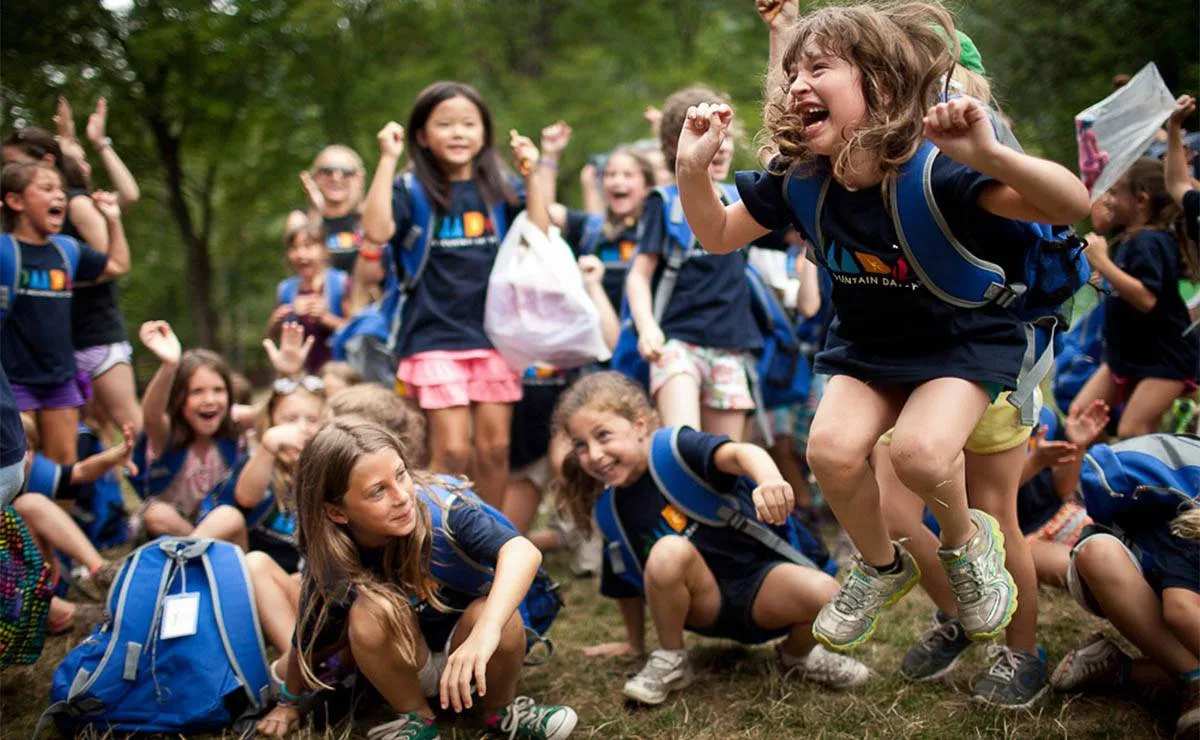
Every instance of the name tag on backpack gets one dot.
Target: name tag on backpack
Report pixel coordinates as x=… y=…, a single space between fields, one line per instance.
x=179 y=617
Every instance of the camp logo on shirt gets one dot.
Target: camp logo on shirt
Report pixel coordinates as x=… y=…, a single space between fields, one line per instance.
x=470 y=229
x=342 y=242
x=45 y=283
x=864 y=269
x=617 y=254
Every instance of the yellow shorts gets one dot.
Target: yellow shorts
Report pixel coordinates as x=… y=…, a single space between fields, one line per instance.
x=999 y=430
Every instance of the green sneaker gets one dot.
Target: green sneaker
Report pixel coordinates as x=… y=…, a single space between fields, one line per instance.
x=411 y=726
x=528 y=721
x=983 y=587
x=850 y=618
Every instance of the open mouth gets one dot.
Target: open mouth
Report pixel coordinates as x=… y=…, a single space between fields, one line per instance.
x=57 y=211
x=209 y=415
x=813 y=116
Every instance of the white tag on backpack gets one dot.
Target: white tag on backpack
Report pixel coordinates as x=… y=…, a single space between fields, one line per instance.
x=180 y=615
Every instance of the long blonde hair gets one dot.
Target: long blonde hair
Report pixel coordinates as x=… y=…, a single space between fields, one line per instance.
x=902 y=59
x=334 y=571
x=577 y=491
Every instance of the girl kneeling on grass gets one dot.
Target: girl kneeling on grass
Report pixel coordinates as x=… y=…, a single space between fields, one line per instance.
x=365 y=528
x=714 y=581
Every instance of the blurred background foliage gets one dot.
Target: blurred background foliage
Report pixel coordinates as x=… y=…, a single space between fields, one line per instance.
x=216 y=105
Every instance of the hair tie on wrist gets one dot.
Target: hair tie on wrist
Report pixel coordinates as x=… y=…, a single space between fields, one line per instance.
x=548 y=164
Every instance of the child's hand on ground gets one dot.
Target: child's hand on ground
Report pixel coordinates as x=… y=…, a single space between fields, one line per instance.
x=773 y=501
x=703 y=132
x=650 y=343
x=1185 y=106
x=279 y=722
x=611 y=650
x=466 y=664
x=961 y=129
x=555 y=138
x=288 y=358
x=525 y=154
x=1086 y=425
x=592 y=269
x=159 y=339
x=391 y=140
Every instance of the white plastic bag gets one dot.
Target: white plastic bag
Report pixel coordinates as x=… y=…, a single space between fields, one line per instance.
x=537 y=308
x=1115 y=132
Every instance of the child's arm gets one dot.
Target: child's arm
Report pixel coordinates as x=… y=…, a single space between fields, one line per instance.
x=122 y=179
x=369 y=270
x=516 y=566
x=593 y=199
x=1175 y=170
x=379 y=223
x=118 y=248
x=641 y=305
x=252 y=483
x=285 y=717
x=90 y=222
x=89 y=470
x=1046 y=454
x=1027 y=188
x=779 y=15
x=159 y=339
x=1128 y=288
x=555 y=139
x=633 y=614
x=1080 y=429
x=592 y=270
x=808 y=298
x=773 y=498
x=525 y=159
x=718 y=228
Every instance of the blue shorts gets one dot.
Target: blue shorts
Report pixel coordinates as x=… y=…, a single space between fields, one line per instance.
x=1164 y=560
x=735 y=620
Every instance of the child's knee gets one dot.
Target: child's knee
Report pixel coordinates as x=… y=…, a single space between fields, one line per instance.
x=1181 y=610
x=920 y=464
x=832 y=456
x=260 y=565
x=1101 y=557
x=492 y=451
x=369 y=629
x=452 y=454
x=668 y=560
x=159 y=518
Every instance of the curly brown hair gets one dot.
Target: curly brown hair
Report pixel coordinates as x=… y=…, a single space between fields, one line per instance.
x=903 y=57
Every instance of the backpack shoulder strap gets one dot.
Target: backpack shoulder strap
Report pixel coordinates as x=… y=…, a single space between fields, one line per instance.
x=617 y=544
x=10 y=273
x=500 y=220
x=286 y=292
x=805 y=198
x=699 y=501
x=234 y=597
x=335 y=290
x=941 y=261
x=679 y=243
x=593 y=231
x=414 y=254
x=450 y=565
x=70 y=250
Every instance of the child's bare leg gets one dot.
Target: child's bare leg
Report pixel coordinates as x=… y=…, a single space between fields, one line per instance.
x=680 y=590
x=521 y=500
x=449 y=439
x=1051 y=560
x=928 y=458
x=1100 y=386
x=1146 y=405
x=277 y=596
x=992 y=482
x=390 y=662
x=225 y=523
x=504 y=669
x=57 y=529
x=784 y=455
x=1181 y=610
x=678 y=401
x=730 y=422
x=903 y=511
x=493 y=425
x=59 y=429
x=160 y=518
x=116 y=393
x=848 y=422
x=791 y=596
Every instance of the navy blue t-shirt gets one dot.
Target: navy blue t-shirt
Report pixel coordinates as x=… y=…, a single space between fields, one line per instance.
x=711 y=303
x=96 y=317
x=889 y=328
x=1151 y=345
x=35 y=344
x=445 y=310
x=640 y=509
x=616 y=253
x=343 y=237
x=1191 y=214
x=474 y=532
x=12 y=434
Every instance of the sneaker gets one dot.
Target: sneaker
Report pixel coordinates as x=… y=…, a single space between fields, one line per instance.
x=411 y=726
x=850 y=618
x=936 y=653
x=1189 y=713
x=824 y=667
x=1014 y=681
x=664 y=672
x=983 y=588
x=524 y=719
x=1098 y=665
x=94 y=586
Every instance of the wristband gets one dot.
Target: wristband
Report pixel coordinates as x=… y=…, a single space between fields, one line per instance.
x=105 y=143
x=548 y=164
x=287 y=698
x=370 y=255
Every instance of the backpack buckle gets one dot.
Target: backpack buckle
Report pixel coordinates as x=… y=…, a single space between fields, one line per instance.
x=1006 y=295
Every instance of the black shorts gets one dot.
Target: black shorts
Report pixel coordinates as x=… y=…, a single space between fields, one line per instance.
x=735 y=621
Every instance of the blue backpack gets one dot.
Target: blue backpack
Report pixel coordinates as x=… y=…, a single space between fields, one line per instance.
x=1153 y=475
x=454 y=568
x=593 y=232
x=699 y=502
x=335 y=290
x=153 y=479
x=1054 y=268
x=1078 y=356
x=10 y=266
x=783 y=376
x=99 y=508
x=368 y=340
x=127 y=677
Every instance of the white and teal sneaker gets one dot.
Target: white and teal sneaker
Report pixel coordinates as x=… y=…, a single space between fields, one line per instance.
x=983 y=587
x=850 y=618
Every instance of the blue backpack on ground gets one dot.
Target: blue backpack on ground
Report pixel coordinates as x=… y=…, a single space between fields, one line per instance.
x=335 y=290
x=454 y=568
x=1078 y=356
x=1054 y=269
x=10 y=266
x=701 y=503
x=150 y=668
x=1154 y=474
x=779 y=376
x=368 y=340
x=155 y=478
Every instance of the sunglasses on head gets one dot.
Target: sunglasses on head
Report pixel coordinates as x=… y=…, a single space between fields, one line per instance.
x=311 y=383
x=343 y=171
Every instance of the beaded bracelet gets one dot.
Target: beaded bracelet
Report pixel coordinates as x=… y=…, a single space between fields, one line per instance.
x=548 y=164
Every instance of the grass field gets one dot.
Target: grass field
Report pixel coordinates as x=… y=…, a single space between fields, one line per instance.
x=738 y=694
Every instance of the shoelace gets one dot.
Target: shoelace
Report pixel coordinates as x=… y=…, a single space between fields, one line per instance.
x=1006 y=664
x=397 y=729
x=855 y=592
x=521 y=708
x=965 y=580
x=943 y=634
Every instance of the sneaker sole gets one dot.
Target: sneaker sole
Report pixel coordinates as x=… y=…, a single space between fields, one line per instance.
x=655 y=701
x=1011 y=608
x=848 y=646
x=933 y=676
x=566 y=728
x=980 y=698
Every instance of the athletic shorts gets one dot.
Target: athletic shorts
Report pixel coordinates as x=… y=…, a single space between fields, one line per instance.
x=998 y=430
x=720 y=373
x=1165 y=561
x=95 y=361
x=735 y=621
x=70 y=395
